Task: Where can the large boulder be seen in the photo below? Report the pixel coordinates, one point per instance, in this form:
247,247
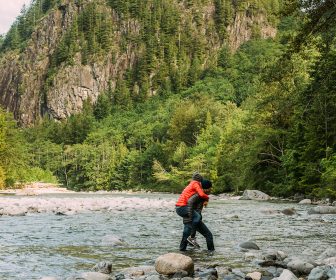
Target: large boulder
323,210
254,195
172,263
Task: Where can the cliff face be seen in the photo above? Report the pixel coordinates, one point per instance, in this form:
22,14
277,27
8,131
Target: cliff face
24,75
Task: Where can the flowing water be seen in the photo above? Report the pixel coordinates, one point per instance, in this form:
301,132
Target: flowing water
46,244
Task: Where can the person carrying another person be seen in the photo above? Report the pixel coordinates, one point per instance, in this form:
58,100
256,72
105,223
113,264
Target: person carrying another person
183,210
196,203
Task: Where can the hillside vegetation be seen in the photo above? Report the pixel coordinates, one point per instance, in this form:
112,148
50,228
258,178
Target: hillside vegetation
261,116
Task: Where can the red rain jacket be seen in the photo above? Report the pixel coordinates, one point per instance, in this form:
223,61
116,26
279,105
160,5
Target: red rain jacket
191,189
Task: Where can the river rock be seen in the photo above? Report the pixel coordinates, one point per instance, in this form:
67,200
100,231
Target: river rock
256,275
322,273
323,210
171,263
254,195
330,261
288,211
138,270
249,245
305,201
103,267
287,275
95,276
300,266
114,241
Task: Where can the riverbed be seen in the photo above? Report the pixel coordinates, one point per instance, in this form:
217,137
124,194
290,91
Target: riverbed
67,242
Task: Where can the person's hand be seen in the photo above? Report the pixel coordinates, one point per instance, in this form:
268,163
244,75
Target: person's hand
205,203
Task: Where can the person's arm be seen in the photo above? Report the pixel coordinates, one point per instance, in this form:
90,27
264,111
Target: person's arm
200,191
193,202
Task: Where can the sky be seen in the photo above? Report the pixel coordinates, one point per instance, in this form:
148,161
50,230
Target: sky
9,10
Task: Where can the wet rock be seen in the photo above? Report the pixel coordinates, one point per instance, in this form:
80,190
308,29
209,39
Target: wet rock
238,272
180,274
103,267
323,210
305,201
138,271
289,211
212,272
119,276
95,276
273,255
272,263
322,273
287,275
248,256
114,241
249,245
223,271
171,263
300,266
254,195
256,275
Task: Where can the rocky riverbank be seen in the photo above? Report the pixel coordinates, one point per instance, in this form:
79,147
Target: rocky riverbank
269,265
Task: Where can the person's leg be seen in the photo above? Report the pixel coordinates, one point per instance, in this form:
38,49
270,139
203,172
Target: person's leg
183,212
202,229
186,232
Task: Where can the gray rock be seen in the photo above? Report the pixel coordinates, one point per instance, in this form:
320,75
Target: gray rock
171,263
254,195
249,245
305,201
287,275
95,276
103,267
300,266
323,210
114,241
138,270
322,273
153,277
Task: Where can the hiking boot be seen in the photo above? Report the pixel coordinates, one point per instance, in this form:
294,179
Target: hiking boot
193,242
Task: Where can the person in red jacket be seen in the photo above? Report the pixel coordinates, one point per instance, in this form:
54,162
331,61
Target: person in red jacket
183,210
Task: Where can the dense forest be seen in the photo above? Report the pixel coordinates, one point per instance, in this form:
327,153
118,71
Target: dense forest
261,117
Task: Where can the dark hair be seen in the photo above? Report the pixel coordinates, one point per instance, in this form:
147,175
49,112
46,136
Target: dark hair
206,184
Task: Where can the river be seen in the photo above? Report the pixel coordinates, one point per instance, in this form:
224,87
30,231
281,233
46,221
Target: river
45,244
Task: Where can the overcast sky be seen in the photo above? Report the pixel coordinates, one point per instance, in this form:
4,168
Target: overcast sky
9,10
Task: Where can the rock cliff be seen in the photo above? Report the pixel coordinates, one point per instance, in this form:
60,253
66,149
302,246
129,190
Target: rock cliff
29,91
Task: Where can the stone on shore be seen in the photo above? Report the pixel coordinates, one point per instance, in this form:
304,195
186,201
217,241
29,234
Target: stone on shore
305,201
95,276
323,210
322,273
287,275
249,245
254,195
103,267
172,263
256,275
300,266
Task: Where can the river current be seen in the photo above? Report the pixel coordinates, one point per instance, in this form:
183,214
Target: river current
45,244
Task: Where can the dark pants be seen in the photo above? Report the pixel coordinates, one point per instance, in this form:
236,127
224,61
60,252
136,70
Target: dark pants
197,225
